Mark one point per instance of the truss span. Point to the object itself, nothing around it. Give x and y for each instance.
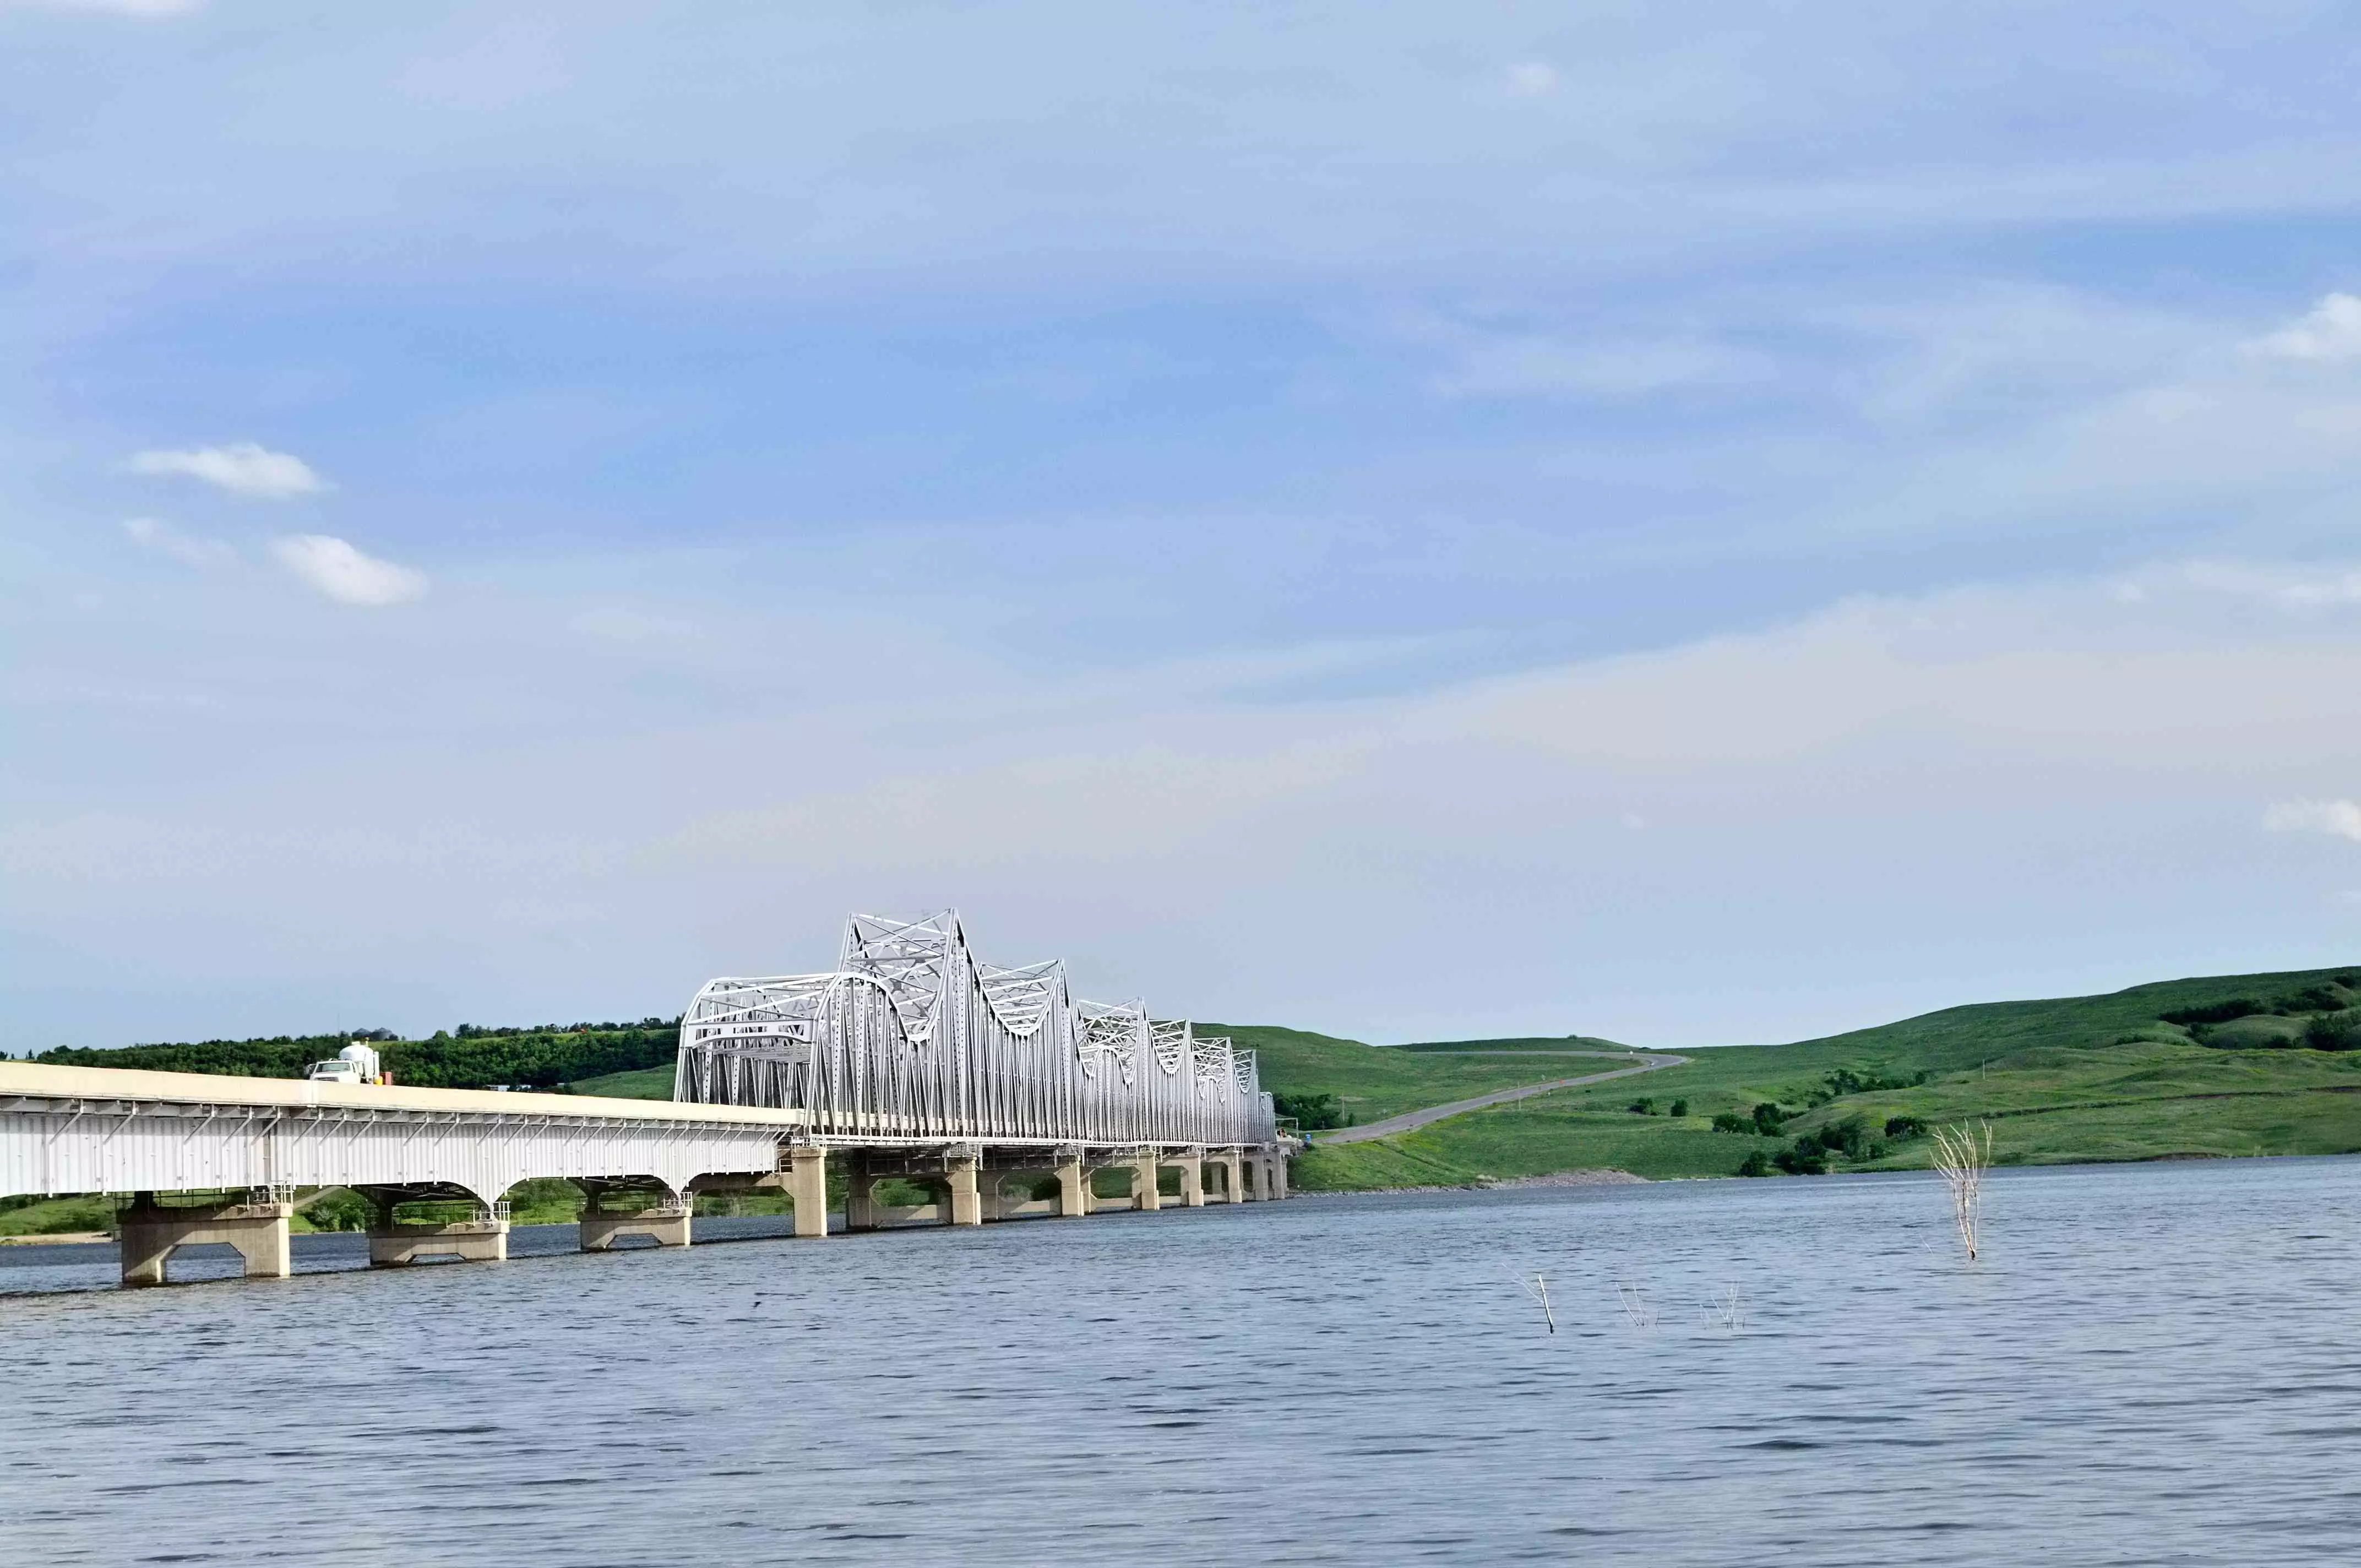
(912, 1038)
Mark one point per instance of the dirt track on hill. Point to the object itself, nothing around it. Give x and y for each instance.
(1409, 1121)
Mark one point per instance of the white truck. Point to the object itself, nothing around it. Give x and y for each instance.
(357, 1063)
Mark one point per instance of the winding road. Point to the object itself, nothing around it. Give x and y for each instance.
(1411, 1120)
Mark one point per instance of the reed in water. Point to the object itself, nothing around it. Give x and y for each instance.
(1961, 1157)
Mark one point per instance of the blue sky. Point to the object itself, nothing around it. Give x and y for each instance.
(1691, 526)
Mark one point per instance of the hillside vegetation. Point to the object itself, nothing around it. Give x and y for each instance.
(2226, 1065)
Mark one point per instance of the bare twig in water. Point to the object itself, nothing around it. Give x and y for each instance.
(1961, 1159)
(1636, 1311)
(1538, 1292)
(1726, 1311)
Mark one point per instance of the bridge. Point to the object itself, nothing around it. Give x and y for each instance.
(912, 1060)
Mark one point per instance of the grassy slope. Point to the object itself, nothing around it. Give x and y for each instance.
(642, 1083)
(2057, 1079)
(1373, 1083)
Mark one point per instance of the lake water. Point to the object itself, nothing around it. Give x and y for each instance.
(2152, 1364)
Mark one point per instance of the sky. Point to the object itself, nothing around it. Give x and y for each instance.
(1692, 524)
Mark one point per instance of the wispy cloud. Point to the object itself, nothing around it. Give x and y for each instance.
(334, 569)
(2339, 818)
(243, 468)
(2286, 585)
(1532, 78)
(155, 534)
(2332, 330)
(110, 7)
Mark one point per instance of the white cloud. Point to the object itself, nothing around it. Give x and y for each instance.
(242, 468)
(2291, 586)
(2331, 330)
(1532, 78)
(155, 534)
(2339, 818)
(334, 569)
(110, 7)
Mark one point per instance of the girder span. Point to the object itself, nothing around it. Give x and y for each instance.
(915, 1038)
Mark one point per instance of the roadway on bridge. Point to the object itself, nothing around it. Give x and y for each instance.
(1409, 1121)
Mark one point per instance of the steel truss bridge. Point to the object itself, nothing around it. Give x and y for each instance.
(912, 1060)
(913, 1038)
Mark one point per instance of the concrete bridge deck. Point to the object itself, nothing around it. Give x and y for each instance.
(257, 1143)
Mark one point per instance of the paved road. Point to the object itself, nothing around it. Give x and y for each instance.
(1410, 1120)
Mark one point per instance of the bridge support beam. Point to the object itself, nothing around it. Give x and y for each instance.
(665, 1221)
(484, 1238)
(1193, 1178)
(966, 1205)
(1143, 1181)
(1073, 1186)
(808, 1190)
(258, 1229)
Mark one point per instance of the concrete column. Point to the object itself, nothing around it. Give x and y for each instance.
(860, 1194)
(1073, 1187)
(1143, 1183)
(807, 1188)
(960, 1172)
(1267, 1188)
(666, 1220)
(391, 1244)
(1249, 1168)
(1278, 1176)
(149, 1233)
(1192, 1180)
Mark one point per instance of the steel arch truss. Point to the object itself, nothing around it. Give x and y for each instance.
(915, 1038)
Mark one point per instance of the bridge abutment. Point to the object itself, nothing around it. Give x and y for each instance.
(149, 1233)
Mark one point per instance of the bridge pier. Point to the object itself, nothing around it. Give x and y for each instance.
(1073, 1185)
(150, 1231)
(808, 1190)
(1143, 1180)
(1235, 1188)
(1193, 1178)
(666, 1221)
(960, 1170)
(393, 1244)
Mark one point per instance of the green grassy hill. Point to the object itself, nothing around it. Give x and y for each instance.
(2157, 1071)
(542, 1056)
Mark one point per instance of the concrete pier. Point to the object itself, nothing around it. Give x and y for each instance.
(960, 1170)
(395, 1243)
(258, 1229)
(1073, 1187)
(1144, 1194)
(666, 1221)
(806, 1169)
(1193, 1178)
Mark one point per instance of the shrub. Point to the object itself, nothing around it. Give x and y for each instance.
(1643, 1107)
(1799, 1161)
(2214, 1012)
(1905, 1127)
(2334, 1031)
(1754, 1165)
(1731, 1122)
(1312, 1113)
(1680, 1108)
(2311, 999)
(1768, 1119)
